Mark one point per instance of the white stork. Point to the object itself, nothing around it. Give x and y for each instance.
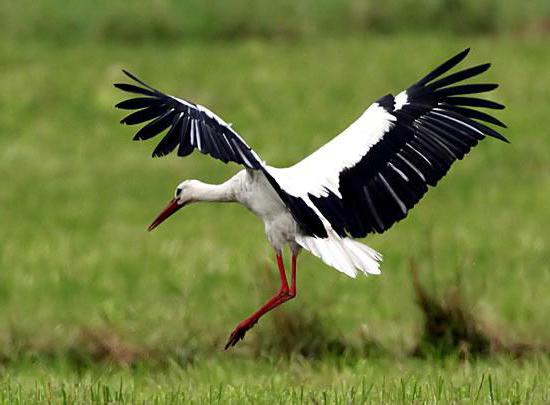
(363, 181)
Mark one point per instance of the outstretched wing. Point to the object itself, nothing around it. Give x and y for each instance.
(188, 126)
(374, 172)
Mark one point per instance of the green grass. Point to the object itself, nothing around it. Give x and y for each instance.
(177, 20)
(274, 381)
(77, 196)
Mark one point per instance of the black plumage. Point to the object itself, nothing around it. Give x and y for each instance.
(435, 127)
(185, 125)
(435, 122)
(189, 127)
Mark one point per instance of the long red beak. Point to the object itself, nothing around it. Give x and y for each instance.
(172, 207)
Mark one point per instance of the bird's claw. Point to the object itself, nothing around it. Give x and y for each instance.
(239, 332)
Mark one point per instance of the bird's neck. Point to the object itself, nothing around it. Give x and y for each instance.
(224, 192)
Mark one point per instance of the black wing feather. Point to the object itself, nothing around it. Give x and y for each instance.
(473, 102)
(436, 126)
(478, 115)
(155, 127)
(444, 67)
(466, 89)
(182, 118)
(185, 147)
(130, 88)
(171, 140)
(459, 76)
(146, 114)
(139, 102)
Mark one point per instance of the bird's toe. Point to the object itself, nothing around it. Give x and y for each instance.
(234, 338)
(238, 333)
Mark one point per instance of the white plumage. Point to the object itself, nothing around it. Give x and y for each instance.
(319, 172)
(362, 181)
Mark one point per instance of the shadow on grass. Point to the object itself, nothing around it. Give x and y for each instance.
(105, 346)
(306, 333)
(450, 328)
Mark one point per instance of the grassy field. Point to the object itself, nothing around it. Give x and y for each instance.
(172, 20)
(93, 308)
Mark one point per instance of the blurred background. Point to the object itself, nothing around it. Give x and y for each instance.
(90, 301)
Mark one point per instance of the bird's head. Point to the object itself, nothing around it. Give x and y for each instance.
(183, 195)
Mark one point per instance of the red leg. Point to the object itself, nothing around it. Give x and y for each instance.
(293, 277)
(284, 294)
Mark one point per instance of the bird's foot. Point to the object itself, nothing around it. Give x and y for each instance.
(239, 332)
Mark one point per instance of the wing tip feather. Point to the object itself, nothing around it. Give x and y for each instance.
(501, 137)
(444, 67)
(135, 78)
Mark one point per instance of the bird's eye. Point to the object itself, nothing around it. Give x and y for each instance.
(178, 192)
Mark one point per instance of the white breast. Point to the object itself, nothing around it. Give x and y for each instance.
(258, 196)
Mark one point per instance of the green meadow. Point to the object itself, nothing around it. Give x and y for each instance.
(95, 309)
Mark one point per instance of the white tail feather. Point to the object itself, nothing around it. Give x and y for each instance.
(344, 254)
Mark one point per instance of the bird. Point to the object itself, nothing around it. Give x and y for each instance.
(361, 182)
